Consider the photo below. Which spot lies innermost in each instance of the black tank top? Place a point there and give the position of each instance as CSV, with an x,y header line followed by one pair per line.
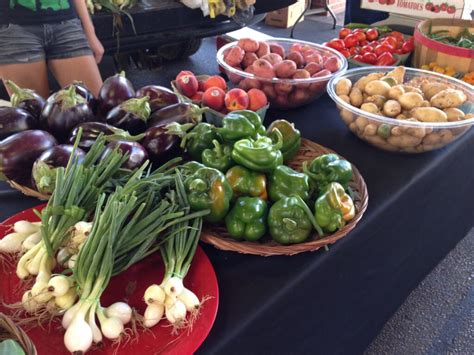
x,y
35,12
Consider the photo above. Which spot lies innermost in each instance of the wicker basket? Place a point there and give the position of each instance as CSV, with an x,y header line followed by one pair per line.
x,y
10,330
217,234
28,191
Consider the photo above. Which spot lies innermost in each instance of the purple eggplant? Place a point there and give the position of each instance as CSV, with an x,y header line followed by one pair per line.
x,y
137,154
159,96
178,113
44,168
160,145
91,130
14,120
130,115
82,90
25,99
113,92
19,151
63,111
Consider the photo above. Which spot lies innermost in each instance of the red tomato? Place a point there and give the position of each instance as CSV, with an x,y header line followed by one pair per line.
x,y
385,59
399,51
345,52
382,48
364,43
354,50
397,35
351,41
408,47
391,41
369,58
372,34
360,36
358,58
358,30
337,44
366,49
344,32
374,44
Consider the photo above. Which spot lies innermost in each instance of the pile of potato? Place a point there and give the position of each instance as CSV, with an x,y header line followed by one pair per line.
x,y
419,100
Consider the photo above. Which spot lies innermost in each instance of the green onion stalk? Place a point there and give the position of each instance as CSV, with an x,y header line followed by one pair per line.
x,y
126,230
171,298
77,189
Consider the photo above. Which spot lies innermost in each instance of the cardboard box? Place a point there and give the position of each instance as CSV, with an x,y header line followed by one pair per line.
x,y
286,17
423,9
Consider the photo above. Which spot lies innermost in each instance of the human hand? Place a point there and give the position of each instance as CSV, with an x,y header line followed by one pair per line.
x,y
96,47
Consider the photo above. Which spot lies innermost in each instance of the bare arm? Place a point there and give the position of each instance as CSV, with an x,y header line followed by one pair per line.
x,y
96,46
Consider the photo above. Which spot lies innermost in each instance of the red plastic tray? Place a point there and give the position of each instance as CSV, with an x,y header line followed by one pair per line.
x,y
201,279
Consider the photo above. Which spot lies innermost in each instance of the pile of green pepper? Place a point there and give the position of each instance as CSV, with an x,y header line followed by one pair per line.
x,y
465,39
240,176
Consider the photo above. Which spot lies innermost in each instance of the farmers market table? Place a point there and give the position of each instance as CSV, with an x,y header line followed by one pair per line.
x,y
335,302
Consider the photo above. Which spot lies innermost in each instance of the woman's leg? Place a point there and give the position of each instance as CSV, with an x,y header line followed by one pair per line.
x,y
83,68
28,75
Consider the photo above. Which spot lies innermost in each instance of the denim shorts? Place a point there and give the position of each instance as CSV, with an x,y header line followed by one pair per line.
x,y
25,44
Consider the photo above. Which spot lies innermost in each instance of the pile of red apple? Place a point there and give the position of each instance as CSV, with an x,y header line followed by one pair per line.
x,y
271,60
366,46
212,92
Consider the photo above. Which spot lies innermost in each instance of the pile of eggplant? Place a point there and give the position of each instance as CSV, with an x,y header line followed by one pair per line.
x,y
37,135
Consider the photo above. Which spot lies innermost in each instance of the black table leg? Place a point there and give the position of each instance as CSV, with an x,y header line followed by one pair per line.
x,y
332,14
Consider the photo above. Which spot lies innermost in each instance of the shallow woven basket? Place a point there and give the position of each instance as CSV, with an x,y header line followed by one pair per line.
x,y
28,191
10,330
217,234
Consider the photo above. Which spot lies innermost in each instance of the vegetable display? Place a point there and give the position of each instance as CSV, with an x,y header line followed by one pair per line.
x,y
465,39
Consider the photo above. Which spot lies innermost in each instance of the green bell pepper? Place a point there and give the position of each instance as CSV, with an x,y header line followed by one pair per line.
x,y
328,168
333,208
290,221
190,168
284,182
208,188
199,139
291,138
246,182
260,155
220,157
247,219
240,124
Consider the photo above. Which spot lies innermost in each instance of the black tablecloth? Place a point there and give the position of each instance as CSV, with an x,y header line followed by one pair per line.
x,y
335,302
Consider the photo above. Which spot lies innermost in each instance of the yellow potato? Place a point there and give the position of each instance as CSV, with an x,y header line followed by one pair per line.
x,y
448,98
343,87
454,114
362,82
370,107
410,100
356,97
392,108
377,87
430,89
378,100
396,91
429,114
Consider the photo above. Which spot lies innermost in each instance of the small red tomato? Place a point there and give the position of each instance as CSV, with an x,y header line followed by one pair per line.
x,y
399,51
408,47
366,49
357,30
364,43
337,44
187,84
361,36
369,58
184,72
391,41
372,34
354,50
346,52
358,58
382,48
374,44
351,40
385,59
397,35
344,32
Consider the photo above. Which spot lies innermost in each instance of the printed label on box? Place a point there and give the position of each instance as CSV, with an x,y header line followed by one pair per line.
x,y
421,8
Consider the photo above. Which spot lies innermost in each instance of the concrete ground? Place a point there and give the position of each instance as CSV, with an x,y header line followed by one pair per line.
x,y
438,316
